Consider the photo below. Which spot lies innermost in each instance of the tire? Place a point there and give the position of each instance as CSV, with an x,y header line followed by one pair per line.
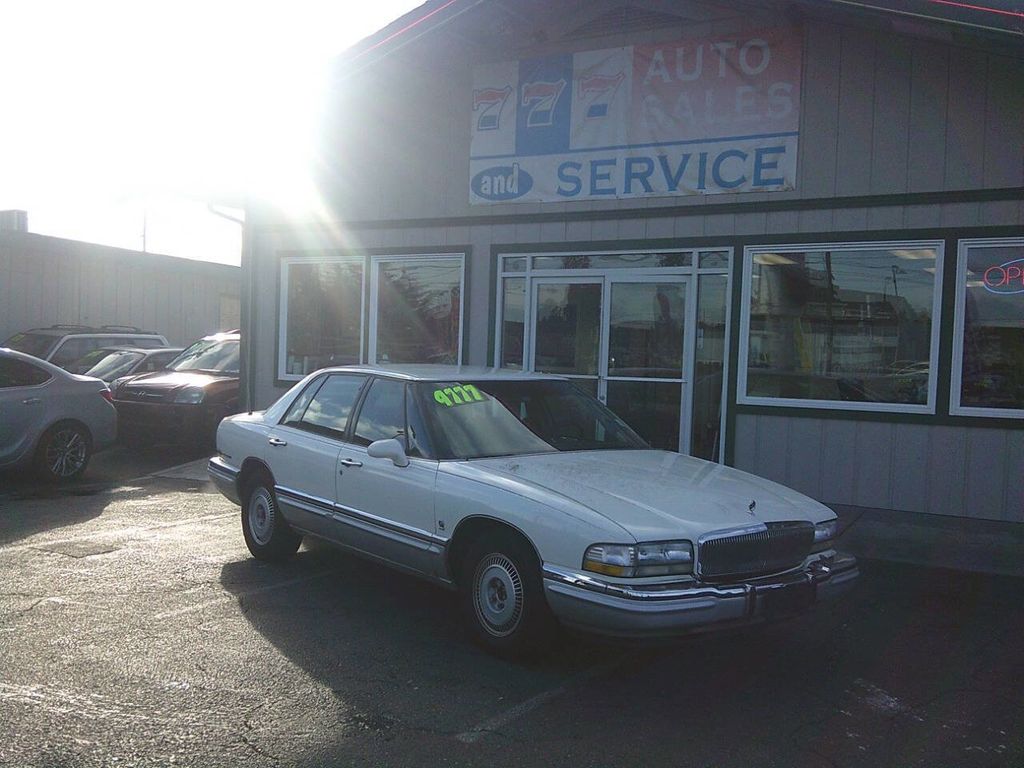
x,y
266,533
502,597
63,452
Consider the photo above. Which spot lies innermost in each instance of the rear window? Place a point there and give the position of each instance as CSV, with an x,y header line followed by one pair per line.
x,y
114,364
35,344
18,373
211,356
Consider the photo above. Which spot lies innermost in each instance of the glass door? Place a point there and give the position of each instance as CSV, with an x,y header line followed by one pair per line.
x,y
643,371
623,339
567,329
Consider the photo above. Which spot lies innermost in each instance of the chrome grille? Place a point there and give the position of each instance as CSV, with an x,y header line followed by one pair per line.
x,y
777,547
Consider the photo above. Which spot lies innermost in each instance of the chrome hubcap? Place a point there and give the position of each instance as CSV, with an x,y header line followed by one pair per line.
x,y
66,452
498,595
261,515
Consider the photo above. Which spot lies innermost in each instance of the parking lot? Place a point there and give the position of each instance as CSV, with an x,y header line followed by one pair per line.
x,y
135,629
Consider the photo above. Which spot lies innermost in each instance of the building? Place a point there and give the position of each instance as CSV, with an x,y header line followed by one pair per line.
x,y
49,280
784,235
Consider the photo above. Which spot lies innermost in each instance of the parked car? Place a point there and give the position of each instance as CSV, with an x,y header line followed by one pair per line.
x,y
112,363
528,496
63,345
50,419
186,401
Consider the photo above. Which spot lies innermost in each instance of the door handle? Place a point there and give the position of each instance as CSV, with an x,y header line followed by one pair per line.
x,y
32,401
350,463
277,442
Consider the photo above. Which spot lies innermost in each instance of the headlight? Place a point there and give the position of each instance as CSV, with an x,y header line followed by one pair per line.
x,y
190,395
824,533
654,558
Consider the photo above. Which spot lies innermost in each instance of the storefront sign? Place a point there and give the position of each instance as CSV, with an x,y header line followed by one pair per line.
x,y
690,117
1005,278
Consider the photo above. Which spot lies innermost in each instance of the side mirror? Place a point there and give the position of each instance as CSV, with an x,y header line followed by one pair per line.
x,y
388,449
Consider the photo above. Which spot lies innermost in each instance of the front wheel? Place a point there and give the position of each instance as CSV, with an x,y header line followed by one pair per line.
x,y
63,453
503,597
267,535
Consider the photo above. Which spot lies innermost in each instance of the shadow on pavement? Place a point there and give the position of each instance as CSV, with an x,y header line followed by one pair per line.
x,y
107,469
915,663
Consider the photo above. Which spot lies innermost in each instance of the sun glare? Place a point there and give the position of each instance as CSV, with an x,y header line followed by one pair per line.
x,y
133,116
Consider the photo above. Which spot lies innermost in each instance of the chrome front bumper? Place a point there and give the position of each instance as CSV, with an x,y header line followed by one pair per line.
x,y
225,477
582,601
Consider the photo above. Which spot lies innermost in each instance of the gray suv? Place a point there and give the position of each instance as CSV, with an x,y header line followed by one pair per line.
x,y
63,345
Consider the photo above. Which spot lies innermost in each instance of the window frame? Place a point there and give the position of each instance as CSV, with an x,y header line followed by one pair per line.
x,y
746,291
361,403
374,294
282,330
959,321
341,436
43,383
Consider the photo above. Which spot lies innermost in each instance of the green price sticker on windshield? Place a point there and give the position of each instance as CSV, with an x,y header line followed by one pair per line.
x,y
460,394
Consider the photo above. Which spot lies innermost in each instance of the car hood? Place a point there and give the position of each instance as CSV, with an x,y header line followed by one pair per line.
x,y
657,494
174,379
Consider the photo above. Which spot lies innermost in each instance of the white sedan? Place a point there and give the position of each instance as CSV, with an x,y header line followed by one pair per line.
x,y
528,496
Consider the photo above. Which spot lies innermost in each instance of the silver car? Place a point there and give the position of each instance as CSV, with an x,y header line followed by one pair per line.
x,y
50,419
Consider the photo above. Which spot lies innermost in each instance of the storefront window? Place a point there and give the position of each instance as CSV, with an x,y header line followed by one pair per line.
x,y
990,327
418,310
850,324
323,324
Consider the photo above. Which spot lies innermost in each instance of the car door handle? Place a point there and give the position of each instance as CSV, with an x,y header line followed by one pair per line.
x,y
32,401
277,442
350,463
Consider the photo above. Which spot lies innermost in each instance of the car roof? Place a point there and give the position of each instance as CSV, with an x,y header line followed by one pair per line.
x,y
447,372
88,330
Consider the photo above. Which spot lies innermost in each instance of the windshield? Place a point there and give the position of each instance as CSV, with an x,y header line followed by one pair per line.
x,y
215,356
36,344
480,419
112,364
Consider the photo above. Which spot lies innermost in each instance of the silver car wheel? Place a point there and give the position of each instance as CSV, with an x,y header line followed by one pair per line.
x,y
66,452
498,595
262,515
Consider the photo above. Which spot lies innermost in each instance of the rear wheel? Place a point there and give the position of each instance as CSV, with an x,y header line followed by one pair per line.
x,y
63,452
267,535
503,597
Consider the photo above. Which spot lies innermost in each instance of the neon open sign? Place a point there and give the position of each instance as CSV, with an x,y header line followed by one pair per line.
x,y
1006,278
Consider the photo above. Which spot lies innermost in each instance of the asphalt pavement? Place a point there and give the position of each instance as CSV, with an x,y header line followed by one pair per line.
x,y
135,630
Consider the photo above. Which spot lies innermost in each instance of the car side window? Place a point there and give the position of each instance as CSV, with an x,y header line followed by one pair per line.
x,y
18,373
72,349
383,413
329,409
298,407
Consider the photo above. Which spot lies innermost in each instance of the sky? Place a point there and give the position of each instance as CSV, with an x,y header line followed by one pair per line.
x,y
125,118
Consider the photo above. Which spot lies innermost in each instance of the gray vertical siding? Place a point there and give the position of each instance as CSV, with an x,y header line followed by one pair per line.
x,y
945,470
47,280
881,113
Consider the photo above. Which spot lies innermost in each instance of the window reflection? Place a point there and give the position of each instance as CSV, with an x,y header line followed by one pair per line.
x,y
842,324
710,365
993,340
513,322
419,311
324,324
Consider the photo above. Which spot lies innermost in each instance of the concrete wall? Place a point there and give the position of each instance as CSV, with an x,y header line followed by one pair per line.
x,y
48,280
